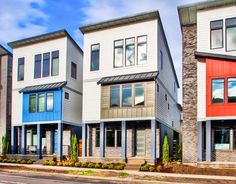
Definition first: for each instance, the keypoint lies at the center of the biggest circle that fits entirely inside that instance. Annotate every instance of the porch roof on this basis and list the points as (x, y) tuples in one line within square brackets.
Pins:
[(43, 87)]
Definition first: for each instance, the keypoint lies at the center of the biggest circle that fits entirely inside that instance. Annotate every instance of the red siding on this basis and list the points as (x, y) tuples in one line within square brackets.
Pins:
[(219, 69)]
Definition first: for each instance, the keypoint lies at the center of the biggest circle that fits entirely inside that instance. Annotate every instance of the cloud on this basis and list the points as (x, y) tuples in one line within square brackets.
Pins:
[(20, 19)]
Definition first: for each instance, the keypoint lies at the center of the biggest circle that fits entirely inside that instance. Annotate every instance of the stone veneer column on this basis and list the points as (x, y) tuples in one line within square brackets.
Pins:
[(189, 127)]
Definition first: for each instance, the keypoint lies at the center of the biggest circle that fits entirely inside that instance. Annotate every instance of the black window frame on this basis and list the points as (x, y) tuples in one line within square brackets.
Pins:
[(119, 95), (73, 70), (37, 59), (139, 43), (55, 55), (214, 29), (226, 27), (21, 61), (223, 91), (114, 61), (108, 139), (228, 89), (97, 137), (46, 57), (35, 103), (125, 87), (67, 96), (46, 102), (126, 53), (93, 70)]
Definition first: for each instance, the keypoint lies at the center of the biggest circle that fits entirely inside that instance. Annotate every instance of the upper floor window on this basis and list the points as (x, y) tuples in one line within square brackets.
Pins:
[(232, 90), (55, 63), (161, 60), (115, 96), (21, 64), (95, 52), (73, 70), (50, 102), (127, 95), (216, 34), (46, 64), (118, 53), (231, 34), (32, 103), (142, 49), (41, 102), (37, 66), (129, 51), (139, 94), (218, 91), (67, 96)]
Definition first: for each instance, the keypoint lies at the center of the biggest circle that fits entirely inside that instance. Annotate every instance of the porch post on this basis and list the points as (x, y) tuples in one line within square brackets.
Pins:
[(60, 138), (23, 140), (208, 141), (84, 140), (102, 142), (153, 139), (39, 140), (200, 141), (124, 139), (13, 140)]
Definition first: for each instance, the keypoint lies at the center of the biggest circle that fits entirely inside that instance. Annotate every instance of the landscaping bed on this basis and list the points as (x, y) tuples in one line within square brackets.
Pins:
[(16, 161)]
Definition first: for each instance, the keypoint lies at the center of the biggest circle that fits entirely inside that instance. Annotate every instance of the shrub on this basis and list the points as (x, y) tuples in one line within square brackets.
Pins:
[(165, 157), (144, 168), (23, 162), (13, 161), (105, 166), (51, 163), (71, 163), (118, 167), (91, 165), (4, 161), (66, 163), (123, 174), (84, 164), (8, 160), (46, 162), (29, 162), (77, 164), (151, 168), (111, 166), (123, 164), (159, 168), (1, 159), (59, 164), (97, 165), (74, 151), (4, 146)]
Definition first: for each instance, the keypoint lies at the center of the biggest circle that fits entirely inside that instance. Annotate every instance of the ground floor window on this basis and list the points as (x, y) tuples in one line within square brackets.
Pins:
[(113, 137), (97, 137), (222, 138)]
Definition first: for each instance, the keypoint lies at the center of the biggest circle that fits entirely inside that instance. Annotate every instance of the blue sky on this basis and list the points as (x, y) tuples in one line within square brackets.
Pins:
[(23, 18)]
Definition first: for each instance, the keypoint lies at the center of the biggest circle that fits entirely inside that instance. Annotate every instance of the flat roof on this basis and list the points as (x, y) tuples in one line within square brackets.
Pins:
[(215, 56), (188, 13), (4, 51), (43, 37)]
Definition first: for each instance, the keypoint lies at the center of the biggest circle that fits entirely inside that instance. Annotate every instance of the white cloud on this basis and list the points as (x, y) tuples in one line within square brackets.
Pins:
[(20, 19)]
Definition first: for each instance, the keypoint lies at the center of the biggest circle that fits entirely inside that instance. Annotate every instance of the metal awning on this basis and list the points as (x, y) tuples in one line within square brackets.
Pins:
[(43, 87), (128, 78)]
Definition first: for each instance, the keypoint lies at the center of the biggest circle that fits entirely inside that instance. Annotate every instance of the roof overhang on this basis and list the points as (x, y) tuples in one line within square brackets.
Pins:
[(4, 51), (214, 56)]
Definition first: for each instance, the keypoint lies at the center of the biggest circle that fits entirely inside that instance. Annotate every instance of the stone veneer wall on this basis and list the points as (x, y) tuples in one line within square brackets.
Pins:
[(189, 127), (224, 156)]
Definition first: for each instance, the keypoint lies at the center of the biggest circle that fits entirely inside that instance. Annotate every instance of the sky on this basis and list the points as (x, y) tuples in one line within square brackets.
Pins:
[(24, 18)]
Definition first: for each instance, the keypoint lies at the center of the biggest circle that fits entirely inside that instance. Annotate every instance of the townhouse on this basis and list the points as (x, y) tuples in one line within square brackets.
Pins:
[(130, 90), (5, 95), (46, 94), (209, 80)]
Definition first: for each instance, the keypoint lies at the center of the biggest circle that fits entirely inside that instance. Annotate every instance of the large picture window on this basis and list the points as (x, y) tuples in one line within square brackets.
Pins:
[(142, 49), (231, 34), (41, 102), (129, 52), (118, 53), (55, 63), (110, 137), (95, 54), (115, 96), (127, 95), (218, 91), (216, 34), (232, 90), (50, 102), (46, 64), (21, 64), (32, 103), (222, 139), (139, 94), (37, 66)]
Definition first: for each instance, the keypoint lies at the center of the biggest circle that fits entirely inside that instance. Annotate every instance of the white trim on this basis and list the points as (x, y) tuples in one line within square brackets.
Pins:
[(120, 119), (217, 118), (40, 122), (72, 123)]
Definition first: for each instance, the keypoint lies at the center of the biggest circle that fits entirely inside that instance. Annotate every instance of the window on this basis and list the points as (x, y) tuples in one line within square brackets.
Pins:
[(110, 137), (46, 64), (41, 102), (218, 91), (95, 49), (50, 102), (158, 88), (139, 94), (142, 49), (21, 63), (168, 106), (118, 138), (222, 138), (161, 59), (166, 97), (32, 103), (231, 90), (97, 137), (66, 95), (37, 66), (127, 95), (118, 53), (129, 52), (73, 70), (55, 63), (231, 34), (115, 96), (216, 34)]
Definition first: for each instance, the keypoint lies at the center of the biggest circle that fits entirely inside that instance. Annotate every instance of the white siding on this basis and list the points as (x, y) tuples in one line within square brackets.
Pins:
[(16, 108)]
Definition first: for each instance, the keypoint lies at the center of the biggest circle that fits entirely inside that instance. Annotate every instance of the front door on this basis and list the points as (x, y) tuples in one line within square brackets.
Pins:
[(140, 142)]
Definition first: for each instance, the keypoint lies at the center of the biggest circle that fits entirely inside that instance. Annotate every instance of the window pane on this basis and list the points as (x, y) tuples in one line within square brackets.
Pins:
[(221, 138), (46, 64), (232, 90), (231, 38), (115, 96), (55, 63), (110, 137), (127, 95), (37, 66), (73, 70), (41, 102), (129, 52), (118, 51), (95, 57), (217, 24), (32, 103), (218, 91), (50, 102), (216, 39), (161, 60), (21, 62), (142, 53), (139, 94), (118, 143), (97, 144)]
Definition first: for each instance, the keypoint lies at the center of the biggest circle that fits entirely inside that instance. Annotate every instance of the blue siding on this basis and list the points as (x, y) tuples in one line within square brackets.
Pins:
[(56, 114)]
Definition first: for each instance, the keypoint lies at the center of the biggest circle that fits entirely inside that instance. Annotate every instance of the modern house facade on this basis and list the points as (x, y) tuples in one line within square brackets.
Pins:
[(46, 94), (130, 90), (5, 95), (209, 75)]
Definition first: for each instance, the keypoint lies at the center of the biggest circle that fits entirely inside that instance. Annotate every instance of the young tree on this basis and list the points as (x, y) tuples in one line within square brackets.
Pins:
[(4, 146), (74, 151), (165, 155)]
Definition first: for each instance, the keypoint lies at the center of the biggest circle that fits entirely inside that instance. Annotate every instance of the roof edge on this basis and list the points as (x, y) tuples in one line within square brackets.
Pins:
[(214, 56), (7, 52)]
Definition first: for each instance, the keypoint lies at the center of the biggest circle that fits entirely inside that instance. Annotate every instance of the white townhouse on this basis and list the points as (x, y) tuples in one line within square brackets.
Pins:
[(46, 94), (130, 89)]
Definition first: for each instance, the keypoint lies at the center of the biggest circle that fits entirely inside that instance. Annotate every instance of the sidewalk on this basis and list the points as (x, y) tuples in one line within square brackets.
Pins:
[(134, 174)]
